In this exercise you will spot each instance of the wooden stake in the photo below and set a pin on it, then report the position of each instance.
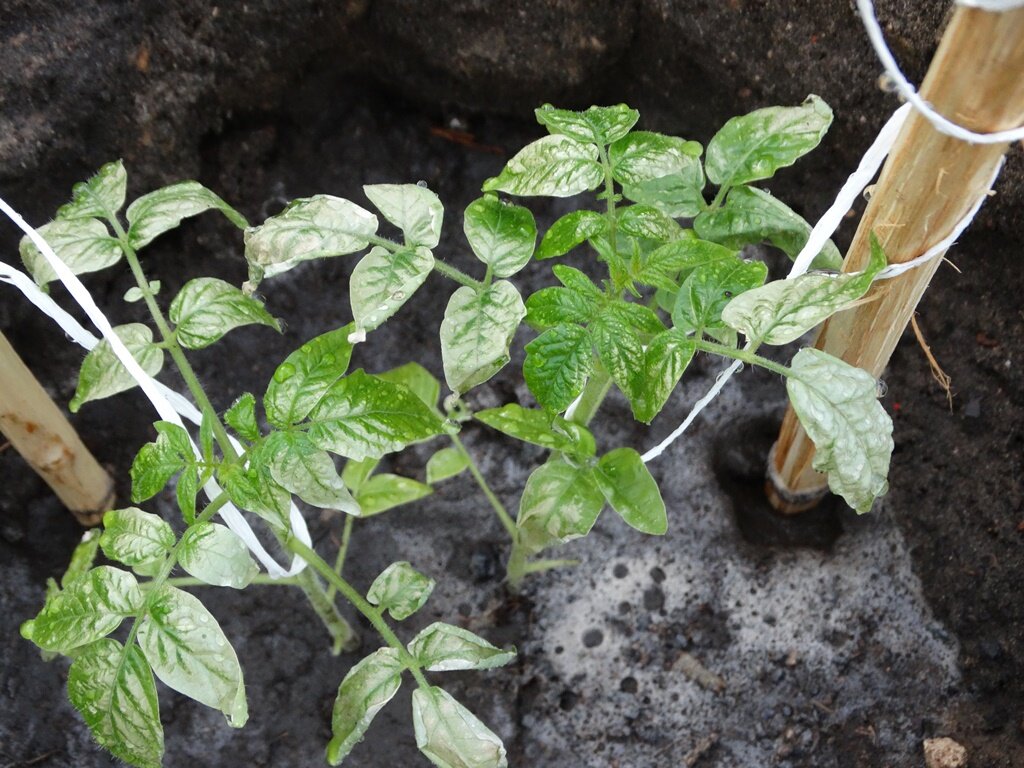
(41, 433)
(929, 182)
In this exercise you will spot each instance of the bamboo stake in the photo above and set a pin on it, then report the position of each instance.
(40, 432)
(928, 184)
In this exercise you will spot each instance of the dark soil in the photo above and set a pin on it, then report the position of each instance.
(826, 657)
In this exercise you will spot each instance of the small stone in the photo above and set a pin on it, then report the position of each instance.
(657, 574)
(944, 753)
(593, 638)
(654, 599)
(620, 571)
(629, 685)
(973, 408)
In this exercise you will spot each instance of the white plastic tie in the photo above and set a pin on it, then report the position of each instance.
(160, 396)
(909, 92)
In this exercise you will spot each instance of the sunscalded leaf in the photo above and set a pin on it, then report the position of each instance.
(113, 689)
(157, 462)
(90, 607)
(385, 491)
(445, 648)
(784, 310)
(450, 735)
(502, 235)
(305, 375)
(364, 691)
(83, 556)
(84, 245)
(557, 365)
(134, 537)
(206, 308)
(667, 265)
(241, 417)
(596, 125)
(553, 306)
(302, 468)
(646, 221)
(540, 428)
(631, 490)
(215, 555)
(253, 489)
(401, 590)
(102, 374)
(663, 171)
(838, 407)
(754, 146)
(310, 228)
(446, 463)
(476, 332)
(554, 166)
(560, 502)
(619, 347)
(569, 231)
(383, 281)
(417, 380)
(162, 210)
(665, 359)
(413, 209)
(187, 650)
(709, 288)
(135, 293)
(362, 416)
(356, 473)
(102, 195)
(751, 215)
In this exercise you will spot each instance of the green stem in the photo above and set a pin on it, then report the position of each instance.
(453, 273)
(345, 638)
(593, 395)
(189, 581)
(538, 566)
(746, 355)
(372, 614)
(499, 508)
(339, 561)
(609, 191)
(719, 197)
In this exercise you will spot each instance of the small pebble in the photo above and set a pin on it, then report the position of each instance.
(944, 753)
(657, 574)
(654, 599)
(629, 685)
(620, 571)
(593, 638)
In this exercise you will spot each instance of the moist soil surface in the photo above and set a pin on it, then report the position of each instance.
(735, 640)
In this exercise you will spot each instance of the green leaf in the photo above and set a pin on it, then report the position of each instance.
(90, 607)
(84, 245)
(560, 502)
(620, 349)
(665, 359)
(161, 211)
(476, 332)
(383, 281)
(707, 291)
(302, 468)
(751, 215)
(648, 222)
(631, 490)
(557, 365)
(413, 209)
(665, 266)
(82, 557)
(185, 493)
(305, 376)
(502, 235)
(838, 407)
(355, 473)
(386, 491)
(643, 319)
(663, 171)
(254, 490)
(113, 689)
(569, 231)
(364, 691)
(215, 555)
(446, 463)
(754, 146)
(157, 462)
(596, 125)
(206, 308)
(554, 166)
(190, 654)
(450, 735)
(134, 537)
(134, 293)
(310, 228)
(100, 196)
(103, 375)
(553, 306)
(417, 380)
(540, 428)
(784, 310)
(363, 416)
(445, 648)
(401, 590)
(575, 280)
(241, 417)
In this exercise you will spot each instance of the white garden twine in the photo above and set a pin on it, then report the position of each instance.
(168, 403)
